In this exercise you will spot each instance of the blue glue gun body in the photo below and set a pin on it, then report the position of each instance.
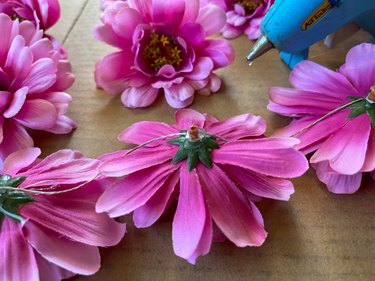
(293, 25)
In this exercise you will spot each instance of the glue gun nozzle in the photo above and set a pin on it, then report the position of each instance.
(259, 48)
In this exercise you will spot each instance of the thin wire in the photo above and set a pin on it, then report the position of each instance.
(326, 116)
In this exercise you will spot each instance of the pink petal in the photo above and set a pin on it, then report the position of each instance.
(179, 95)
(134, 191)
(191, 11)
(309, 75)
(150, 212)
(360, 67)
(185, 118)
(231, 32)
(106, 34)
(41, 48)
(240, 126)
(13, 250)
(53, 13)
(190, 216)
(305, 102)
(37, 114)
(144, 131)
(338, 183)
(51, 272)
(19, 160)
(193, 33)
(139, 97)
(126, 21)
(346, 148)
(71, 255)
(206, 16)
(121, 164)
(41, 76)
(75, 217)
(64, 77)
(229, 208)
(369, 164)
(7, 26)
(60, 100)
(63, 125)
(17, 102)
(269, 156)
(312, 138)
(202, 69)
(15, 138)
(259, 184)
(220, 51)
(169, 12)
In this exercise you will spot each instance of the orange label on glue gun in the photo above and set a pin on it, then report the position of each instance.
(317, 15)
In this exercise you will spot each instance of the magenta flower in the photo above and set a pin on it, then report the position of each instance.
(243, 16)
(164, 49)
(33, 79)
(51, 236)
(345, 141)
(215, 186)
(42, 13)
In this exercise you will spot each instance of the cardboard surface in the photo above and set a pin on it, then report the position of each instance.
(314, 236)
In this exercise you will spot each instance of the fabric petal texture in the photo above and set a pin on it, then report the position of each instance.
(333, 117)
(212, 168)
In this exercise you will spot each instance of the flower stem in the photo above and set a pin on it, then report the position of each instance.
(327, 115)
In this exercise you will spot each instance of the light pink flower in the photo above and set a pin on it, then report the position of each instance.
(51, 237)
(106, 3)
(33, 78)
(42, 13)
(243, 16)
(344, 144)
(210, 196)
(164, 49)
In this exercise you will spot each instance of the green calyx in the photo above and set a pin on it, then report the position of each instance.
(10, 200)
(196, 148)
(361, 106)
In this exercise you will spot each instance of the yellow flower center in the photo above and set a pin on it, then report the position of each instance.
(161, 50)
(371, 94)
(250, 5)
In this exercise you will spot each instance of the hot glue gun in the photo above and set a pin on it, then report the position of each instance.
(291, 26)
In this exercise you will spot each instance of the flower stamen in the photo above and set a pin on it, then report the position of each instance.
(161, 50)
(250, 5)
(371, 95)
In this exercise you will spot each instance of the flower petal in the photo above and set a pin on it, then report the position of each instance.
(259, 184)
(41, 76)
(63, 125)
(240, 126)
(308, 75)
(150, 212)
(75, 217)
(121, 164)
(17, 102)
(71, 255)
(139, 97)
(13, 249)
(202, 69)
(269, 156)
(190, 217)
(134, 191)
(126, 21)
(346, 148)
(19, 160)
(220, 51)
(185, 118)
(51, 272)
(206, 16)
(37, 114)
(338, 183)
(179, 95)
(360, 67)
(369, 164)
(229, 208)
(144, 131)
(169, 12)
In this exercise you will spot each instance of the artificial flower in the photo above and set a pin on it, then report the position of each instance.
(33, 78)
(215, 181)
(46, 235)
(164, 49)
(344, 142)
(243, 16)
(42, 13)
(106, 3)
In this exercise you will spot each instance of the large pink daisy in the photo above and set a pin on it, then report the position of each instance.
(215, 181)
(33, 78)
(164, 50)
(51, 237)
(344, 143)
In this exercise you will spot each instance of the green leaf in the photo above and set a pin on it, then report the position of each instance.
(357, 109)
(210, 143)
(205, 157)
(16, 181)
(19, 198)
(192, 159)
(178, 140)
(180, 155)
(354, 98)
(371, 113)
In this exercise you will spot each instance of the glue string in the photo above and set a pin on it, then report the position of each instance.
(326, 116)
(41, 192)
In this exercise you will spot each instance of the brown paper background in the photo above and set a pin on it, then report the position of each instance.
(314, 236)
